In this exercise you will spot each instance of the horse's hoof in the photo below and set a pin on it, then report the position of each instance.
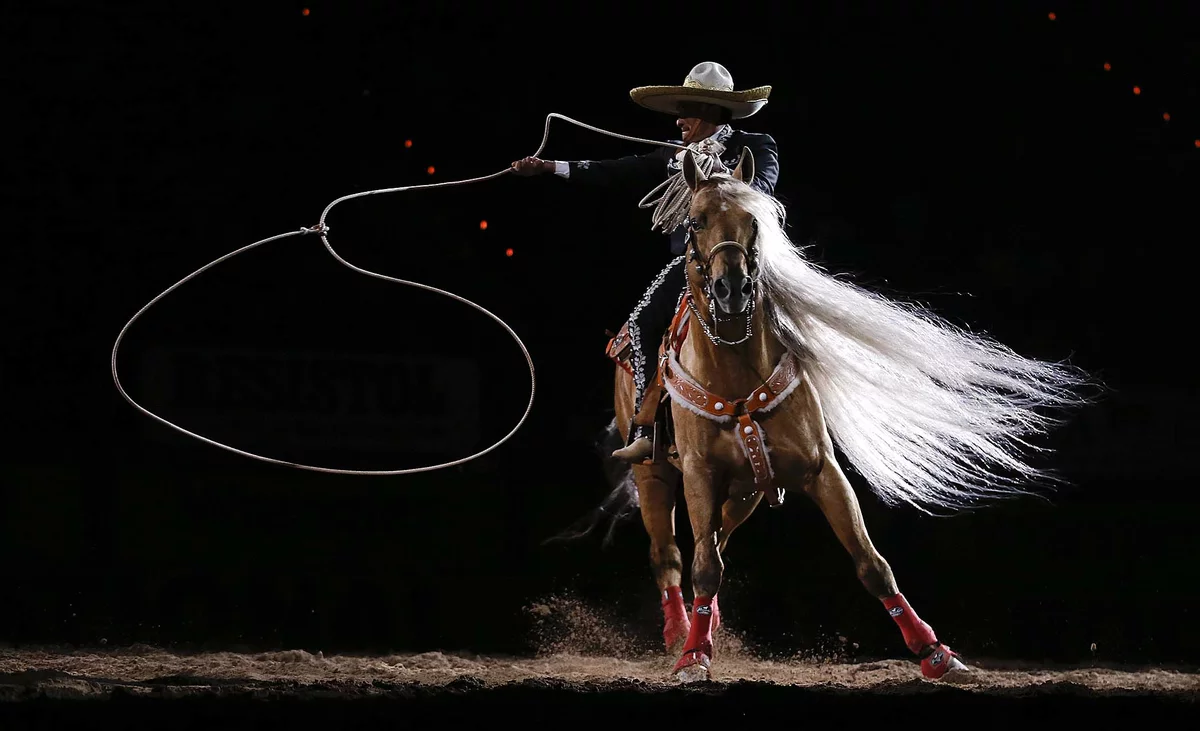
(693, 674)
(958, 673)
(693, 667)
(944, 664)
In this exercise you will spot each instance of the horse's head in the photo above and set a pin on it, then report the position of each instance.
(722, 251)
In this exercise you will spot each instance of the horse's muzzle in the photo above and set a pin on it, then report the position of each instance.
(733, 292)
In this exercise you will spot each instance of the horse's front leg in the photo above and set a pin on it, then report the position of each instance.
(833, 494)
(701, 489)
(736, 510)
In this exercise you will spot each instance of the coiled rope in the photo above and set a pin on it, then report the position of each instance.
(668, 205)
(676, 200)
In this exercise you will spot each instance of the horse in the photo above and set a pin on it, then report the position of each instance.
(770, 362)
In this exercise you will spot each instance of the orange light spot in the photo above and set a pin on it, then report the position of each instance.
(508, 252)
(1197, 143)
(429, 170)
(1052, 16)
(304, 12)
(483, 225)
(1166, 117)
(1107, 66)
(1137, 90)
(408, 143)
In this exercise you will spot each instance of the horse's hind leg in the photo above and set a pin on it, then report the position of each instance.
(657, 485)
(832, 493)
(656, 496)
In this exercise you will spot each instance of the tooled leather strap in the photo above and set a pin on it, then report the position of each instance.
(765, 397)
(618, 343)
(679, 324)
(750, 433)
(778, 386)
(708, 403)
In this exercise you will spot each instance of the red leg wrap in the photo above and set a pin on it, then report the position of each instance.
(936, 663)
(699, 647)
(675, 619)
(917, 634)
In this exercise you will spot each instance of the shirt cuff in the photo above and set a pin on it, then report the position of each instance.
(562, 168)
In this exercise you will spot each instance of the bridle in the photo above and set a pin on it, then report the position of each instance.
(750, 253)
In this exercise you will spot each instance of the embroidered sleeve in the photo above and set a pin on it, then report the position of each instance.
(638, 173)
(766, 164)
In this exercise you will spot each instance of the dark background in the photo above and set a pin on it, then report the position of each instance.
(978, 159)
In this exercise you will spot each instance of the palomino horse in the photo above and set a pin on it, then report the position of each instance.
(744, 368)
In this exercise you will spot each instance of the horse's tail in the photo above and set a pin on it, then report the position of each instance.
(621, 501)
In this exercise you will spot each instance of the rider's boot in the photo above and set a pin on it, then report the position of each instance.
(637, 451)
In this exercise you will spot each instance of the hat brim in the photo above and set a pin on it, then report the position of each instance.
(667, 98)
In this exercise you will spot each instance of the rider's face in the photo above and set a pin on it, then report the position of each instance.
(694, 129)
(697, 121)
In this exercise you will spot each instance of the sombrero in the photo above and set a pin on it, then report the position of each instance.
(707, 83)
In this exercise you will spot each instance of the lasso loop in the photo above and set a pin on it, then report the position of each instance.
(323, 230)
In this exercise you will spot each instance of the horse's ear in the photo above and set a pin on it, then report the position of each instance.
(745, 167)
(691, 172)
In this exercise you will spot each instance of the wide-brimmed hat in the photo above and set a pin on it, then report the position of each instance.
(706, 83)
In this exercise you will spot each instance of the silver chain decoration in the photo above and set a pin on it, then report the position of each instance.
(712, 312)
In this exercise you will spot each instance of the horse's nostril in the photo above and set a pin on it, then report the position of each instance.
(721, 288)
(747, 286)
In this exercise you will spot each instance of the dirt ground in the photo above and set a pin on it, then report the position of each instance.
(141, 670)
(573, 673)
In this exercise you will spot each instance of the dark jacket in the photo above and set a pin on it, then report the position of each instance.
(643, 172)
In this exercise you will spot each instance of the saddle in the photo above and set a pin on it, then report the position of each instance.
(652, 414)
(670, 379)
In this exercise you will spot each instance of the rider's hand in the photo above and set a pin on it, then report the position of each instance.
(532, 166)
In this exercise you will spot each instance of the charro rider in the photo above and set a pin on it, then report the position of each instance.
(704, 106)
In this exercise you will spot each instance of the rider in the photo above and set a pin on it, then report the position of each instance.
(704, 106)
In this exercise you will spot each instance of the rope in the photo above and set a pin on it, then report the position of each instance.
(323, 230)
(675, 202)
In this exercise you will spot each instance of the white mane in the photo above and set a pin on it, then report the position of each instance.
(929, 414)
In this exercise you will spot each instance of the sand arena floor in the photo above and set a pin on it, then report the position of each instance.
(568, 675)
